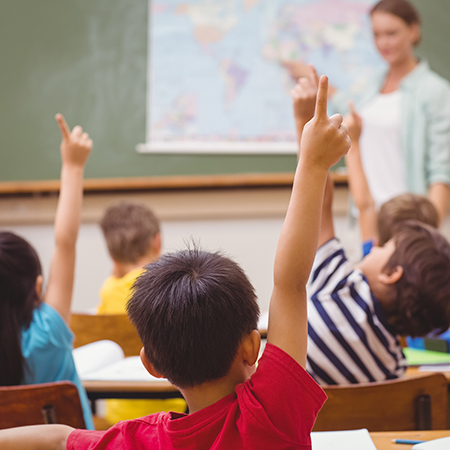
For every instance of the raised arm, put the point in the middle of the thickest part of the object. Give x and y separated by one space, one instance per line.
324 142
357 180
75 149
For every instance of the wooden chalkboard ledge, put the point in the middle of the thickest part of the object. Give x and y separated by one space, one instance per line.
164 182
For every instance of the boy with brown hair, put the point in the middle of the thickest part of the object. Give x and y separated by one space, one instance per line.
132 234
356 313
201 308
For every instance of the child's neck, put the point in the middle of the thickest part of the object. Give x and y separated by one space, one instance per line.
121 269
206 394
200 397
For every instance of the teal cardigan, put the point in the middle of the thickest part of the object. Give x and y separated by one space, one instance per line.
425 124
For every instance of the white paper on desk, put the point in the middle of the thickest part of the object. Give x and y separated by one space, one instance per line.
435 444
342 440
435 368
128 369
96 355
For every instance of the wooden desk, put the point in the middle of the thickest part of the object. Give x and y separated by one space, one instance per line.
414 371
382 439
97 390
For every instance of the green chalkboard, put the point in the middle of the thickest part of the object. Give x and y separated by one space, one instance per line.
88 60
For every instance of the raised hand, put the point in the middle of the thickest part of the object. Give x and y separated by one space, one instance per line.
304 96
75 145
354 123
325 139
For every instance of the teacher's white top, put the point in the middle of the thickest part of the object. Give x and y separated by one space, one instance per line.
381 150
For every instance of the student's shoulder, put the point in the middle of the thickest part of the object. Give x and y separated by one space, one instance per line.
276 368
47 328
330 257
47 318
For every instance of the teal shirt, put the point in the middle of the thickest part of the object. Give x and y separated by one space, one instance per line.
47 350
424 122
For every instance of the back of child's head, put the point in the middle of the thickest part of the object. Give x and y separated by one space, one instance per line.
404 207
192 309
19 269
422 295
129 230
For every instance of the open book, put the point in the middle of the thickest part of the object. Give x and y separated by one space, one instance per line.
105 361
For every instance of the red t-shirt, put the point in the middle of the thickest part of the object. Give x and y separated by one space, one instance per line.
274 409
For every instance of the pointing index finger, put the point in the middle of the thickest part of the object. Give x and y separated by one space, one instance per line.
65 130
321 101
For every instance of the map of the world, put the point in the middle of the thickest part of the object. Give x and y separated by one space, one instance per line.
218 69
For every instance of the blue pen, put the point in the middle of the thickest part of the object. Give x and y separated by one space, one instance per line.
406 441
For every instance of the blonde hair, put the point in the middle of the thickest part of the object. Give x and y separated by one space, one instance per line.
129 230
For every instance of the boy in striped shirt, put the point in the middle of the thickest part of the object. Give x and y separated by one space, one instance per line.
356 313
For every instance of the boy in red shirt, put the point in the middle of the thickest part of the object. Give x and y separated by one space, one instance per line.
196 313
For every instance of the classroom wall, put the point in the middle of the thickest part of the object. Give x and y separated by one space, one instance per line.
244 223
250 242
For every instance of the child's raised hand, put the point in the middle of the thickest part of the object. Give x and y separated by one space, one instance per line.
304 96
75 145
325 139
354 123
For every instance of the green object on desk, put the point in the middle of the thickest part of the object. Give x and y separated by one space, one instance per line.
416 357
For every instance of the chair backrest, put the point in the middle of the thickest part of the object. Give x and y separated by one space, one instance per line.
37 404
114 327
417 403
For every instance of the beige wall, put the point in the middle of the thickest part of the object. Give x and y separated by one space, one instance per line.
244 223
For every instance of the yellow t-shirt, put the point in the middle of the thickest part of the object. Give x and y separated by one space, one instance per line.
115 291
114 295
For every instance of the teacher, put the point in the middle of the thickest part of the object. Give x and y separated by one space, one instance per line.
405 142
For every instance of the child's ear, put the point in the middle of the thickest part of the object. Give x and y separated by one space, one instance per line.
39 285
391 278
250 347
148 365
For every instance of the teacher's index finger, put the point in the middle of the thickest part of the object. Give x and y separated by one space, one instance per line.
321 100
65 130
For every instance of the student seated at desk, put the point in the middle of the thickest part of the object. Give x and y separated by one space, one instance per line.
197 316
132 234
355 313
35 340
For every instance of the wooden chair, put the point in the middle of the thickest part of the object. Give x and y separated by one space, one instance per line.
419 403
115 327
37 404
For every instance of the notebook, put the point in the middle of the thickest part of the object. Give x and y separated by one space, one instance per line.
342 440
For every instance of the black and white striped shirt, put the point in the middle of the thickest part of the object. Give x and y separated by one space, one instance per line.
348 337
